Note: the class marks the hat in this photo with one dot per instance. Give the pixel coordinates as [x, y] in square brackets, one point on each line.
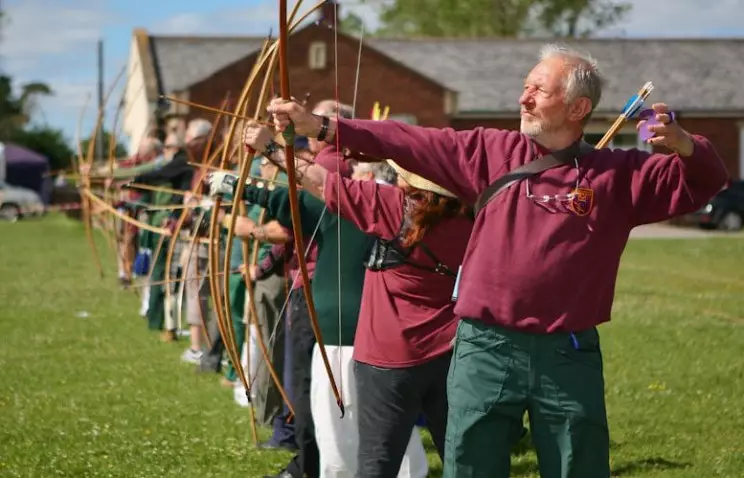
[418, 182]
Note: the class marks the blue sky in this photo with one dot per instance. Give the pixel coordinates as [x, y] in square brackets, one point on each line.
[55, 40]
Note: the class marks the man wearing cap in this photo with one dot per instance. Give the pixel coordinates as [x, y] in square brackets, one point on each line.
[540, 269]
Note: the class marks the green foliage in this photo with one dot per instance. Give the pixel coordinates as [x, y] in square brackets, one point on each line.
[351, 24]
[16, 114]
[16, 111]
[120, 150]
[580, 18]
[492, 18]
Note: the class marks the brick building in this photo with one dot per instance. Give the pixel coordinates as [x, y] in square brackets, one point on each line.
[446, 82]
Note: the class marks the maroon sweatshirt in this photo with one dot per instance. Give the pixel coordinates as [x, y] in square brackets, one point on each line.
[534, 267]
[406, 316]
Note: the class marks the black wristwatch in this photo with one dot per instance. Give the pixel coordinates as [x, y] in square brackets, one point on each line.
[323, 128]
[270, 148]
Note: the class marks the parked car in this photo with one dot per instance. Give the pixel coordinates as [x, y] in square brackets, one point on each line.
[16, 203]
[725, 211]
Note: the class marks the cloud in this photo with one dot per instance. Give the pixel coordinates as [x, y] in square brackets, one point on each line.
[255, 20]
[55, 42]
[250, 20]
[38, 32]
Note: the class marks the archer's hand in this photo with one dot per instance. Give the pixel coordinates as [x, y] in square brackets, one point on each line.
[668, 133]
[257, 136]
[222, 184]
[286, 112]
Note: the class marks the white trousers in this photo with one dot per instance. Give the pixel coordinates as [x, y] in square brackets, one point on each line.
[338, 438]
[250, 355]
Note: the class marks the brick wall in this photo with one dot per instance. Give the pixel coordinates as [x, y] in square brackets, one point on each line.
[381, 79]
[723, 133]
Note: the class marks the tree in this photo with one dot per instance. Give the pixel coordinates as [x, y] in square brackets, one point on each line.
[351, 24]
[16, 111]
[580, 18]
[495, 18]
[47, 141]
[120, 150]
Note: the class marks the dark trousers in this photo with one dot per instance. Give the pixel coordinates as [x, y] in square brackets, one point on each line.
[307, 460]
[212, 359]
[284, 433]
[389, 402]
[497, 374]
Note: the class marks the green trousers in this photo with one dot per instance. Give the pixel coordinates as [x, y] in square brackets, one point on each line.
[156, 307]
[497, 374]
[237, 306]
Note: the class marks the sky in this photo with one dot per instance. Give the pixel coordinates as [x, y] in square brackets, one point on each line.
[54, 41]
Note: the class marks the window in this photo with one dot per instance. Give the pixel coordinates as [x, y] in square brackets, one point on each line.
[317, 56]
[620, 141]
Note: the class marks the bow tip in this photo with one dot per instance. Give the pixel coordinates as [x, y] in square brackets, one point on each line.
[341, 407]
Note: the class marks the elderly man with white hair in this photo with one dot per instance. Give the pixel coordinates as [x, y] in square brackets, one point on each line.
[539, 273]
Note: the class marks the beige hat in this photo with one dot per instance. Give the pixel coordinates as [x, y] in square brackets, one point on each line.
[418, 182]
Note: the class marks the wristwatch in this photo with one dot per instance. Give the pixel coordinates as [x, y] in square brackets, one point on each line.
[270, 148]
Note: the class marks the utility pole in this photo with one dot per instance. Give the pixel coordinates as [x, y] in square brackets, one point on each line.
[99, 138]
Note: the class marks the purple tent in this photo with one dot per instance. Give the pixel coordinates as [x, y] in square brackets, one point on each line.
[27, 169]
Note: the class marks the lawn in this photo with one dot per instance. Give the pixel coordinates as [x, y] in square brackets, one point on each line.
[88, 391]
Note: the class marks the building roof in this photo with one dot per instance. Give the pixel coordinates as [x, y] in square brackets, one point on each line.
[688, 74]
[182, 61]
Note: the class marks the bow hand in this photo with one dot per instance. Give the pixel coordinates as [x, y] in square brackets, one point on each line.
[665, 131]
[287, 114]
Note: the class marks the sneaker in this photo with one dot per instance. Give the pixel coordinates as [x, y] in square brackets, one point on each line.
[192, 356]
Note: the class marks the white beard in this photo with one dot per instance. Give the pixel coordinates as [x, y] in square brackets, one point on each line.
[531, 127]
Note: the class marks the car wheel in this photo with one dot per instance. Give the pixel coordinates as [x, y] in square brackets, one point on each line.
[730, 221]
[10, 212]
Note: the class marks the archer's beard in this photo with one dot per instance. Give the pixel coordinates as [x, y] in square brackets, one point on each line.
[532, 127]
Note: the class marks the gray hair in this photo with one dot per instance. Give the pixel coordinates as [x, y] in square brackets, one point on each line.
[331, 108]
[382, 172]
[583, 80]
[197, 128]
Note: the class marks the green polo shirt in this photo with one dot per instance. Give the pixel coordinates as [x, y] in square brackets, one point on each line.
[333, 282]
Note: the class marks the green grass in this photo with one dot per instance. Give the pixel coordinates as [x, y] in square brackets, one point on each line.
[101, 396]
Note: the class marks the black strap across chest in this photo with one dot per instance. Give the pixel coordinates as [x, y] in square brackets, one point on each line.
[556, 158]
[389, 254]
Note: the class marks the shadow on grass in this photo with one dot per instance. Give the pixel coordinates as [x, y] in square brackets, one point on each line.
[656, 463]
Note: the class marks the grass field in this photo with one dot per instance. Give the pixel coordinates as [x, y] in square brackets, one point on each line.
[98, 395]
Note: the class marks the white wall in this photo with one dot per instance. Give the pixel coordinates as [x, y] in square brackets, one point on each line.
[137, 109]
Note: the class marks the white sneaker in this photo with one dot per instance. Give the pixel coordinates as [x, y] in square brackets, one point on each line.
[192, 356]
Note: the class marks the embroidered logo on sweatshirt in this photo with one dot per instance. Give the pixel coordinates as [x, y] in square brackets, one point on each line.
[582, 202]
